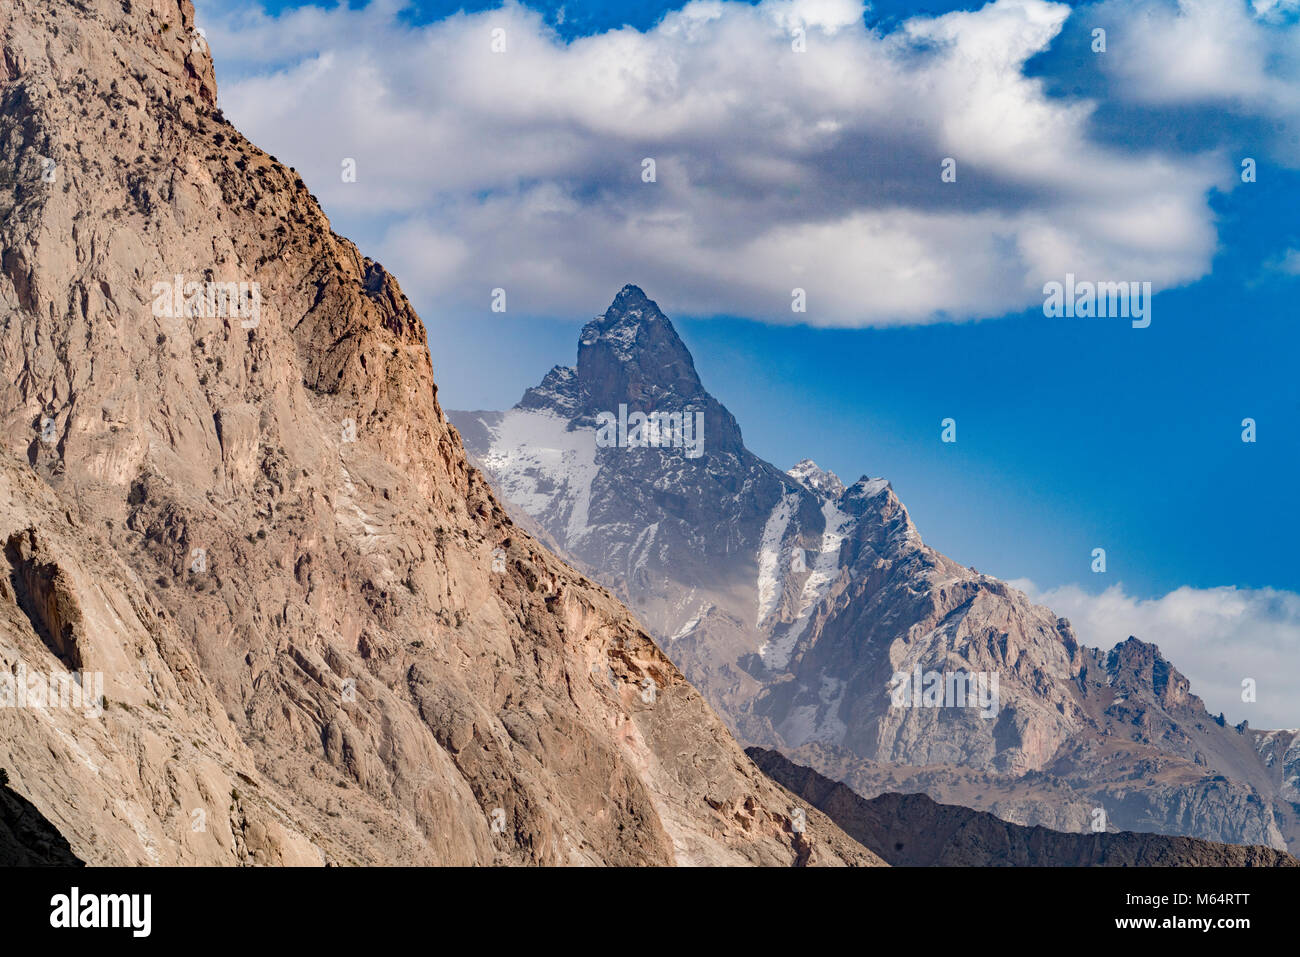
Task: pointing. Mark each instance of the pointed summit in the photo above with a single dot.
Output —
(635, 347)
(632, 356)
(812, 476)
(1137, 668)
(632, 294)
(558, 393)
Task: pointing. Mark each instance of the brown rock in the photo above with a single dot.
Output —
(282, 561)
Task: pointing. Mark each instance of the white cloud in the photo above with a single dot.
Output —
(1215, 636)
(1275, 10)
(775, 169)
(1288, 262)
(1241, 57)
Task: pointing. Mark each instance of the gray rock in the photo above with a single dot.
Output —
(796, 603)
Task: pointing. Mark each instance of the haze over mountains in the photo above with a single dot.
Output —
(795, 602)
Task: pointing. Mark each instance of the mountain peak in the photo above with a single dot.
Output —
(631, 293)
(822, 481)
(632, 322)
(1136, 667)
(557, 392)
(632, 356)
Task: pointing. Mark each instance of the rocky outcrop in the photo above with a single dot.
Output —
(816, 620)
(912, 830)
(228, 487)
(44, 593)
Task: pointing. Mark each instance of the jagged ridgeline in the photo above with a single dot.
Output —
(815, 620)
(228, 490)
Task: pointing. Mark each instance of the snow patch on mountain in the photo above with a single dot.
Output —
(817, 720)
(544, 467)
(771, 575)
(873, 487)
(640, 550)
(691, 625)
(825, 569)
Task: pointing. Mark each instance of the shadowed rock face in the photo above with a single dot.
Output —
(43, 592)
(911, 830)
(321, 638)
(27, 839)
(794, 602)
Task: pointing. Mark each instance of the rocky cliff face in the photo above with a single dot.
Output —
(228, 487)
(911, 830)
(816, 620)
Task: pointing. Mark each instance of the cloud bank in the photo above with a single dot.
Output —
(1241, 57)
(774, 169)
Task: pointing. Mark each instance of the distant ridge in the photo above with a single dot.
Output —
(911, 830)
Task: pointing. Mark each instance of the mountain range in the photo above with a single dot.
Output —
(817, 622)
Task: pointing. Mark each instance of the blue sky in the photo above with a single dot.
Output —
(585, 17)
(1072, 434)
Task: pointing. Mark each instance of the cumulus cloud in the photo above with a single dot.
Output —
(1244, 57)
(1217, 637)
(775, 169)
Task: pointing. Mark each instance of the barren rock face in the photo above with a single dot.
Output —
(229, 488)
(140, 765)
(27, 839)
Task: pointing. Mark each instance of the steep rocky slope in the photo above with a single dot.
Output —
(911, 830)
(320, 635)
(805, 608)
(119, 768)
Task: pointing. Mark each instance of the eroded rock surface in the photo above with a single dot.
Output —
(320, 634)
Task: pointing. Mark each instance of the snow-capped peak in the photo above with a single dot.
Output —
(621, 327)
(808, 474)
